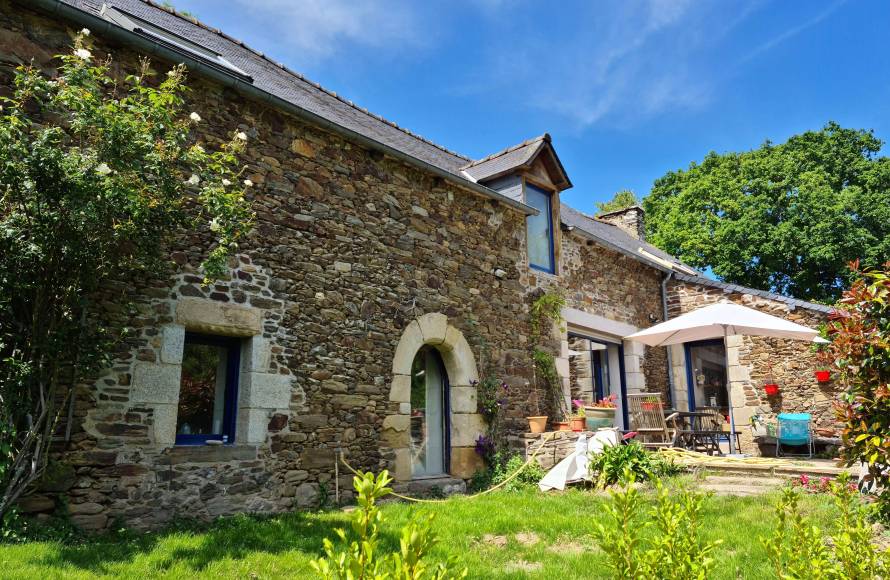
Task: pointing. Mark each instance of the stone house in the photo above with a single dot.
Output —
(384, 276)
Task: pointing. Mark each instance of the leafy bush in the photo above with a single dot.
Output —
(798, 549)
(609, 466)
(674, 550)
(860, 354)
(502, 466)
(360, 558)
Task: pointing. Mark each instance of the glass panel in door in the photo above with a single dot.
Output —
(428, 410)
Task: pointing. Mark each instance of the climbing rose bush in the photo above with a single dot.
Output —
(97, 174)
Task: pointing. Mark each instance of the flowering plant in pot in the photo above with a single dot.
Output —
(600, 414)
(578, 417)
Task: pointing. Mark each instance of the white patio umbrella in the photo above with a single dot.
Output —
(720, 321)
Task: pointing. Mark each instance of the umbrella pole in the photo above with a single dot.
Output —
(732, 445)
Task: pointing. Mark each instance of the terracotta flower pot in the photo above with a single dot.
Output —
(771, 389)
(537, 424)
(561, 426)
(577, 424)
(823, 376)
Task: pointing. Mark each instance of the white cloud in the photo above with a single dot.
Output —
(791, 32)
(320, 28)
(616, 63)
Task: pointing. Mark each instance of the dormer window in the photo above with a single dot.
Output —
(540, 229)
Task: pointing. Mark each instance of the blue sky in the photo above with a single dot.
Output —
(628, 89)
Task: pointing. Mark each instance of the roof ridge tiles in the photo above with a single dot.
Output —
(193, 20)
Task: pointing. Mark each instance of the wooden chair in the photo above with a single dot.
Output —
(646, 413)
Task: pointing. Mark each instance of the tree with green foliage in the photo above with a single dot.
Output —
(97, 175)
(621, 200)
(786, 218)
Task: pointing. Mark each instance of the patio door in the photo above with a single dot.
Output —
(706, 375)
(429, 414)
(597, 372)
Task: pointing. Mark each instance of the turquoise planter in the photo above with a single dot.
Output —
(598, 418)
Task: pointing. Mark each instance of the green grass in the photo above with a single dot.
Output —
(281, 547)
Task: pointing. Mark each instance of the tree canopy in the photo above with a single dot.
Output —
(786, 218)
(621, 200)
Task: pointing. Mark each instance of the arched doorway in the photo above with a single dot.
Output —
(430, 414)
(455, 424)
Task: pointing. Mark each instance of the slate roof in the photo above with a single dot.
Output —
(754, 292)
(502, 162)
(616, 238)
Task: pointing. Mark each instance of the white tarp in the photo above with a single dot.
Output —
(574, 467)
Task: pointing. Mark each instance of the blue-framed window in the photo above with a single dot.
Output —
(540, 229)
(208, 389)
(706, 375)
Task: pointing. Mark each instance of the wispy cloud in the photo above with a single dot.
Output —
(321, 28)
(617, 62)
(791, 32)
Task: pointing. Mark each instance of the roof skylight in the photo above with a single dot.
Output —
(172, 41)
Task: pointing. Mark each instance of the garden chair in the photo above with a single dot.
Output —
(794, 429)
(647, 419)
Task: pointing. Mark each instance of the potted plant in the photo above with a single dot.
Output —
(653, 405)
(578, 417)
(601, 414)
(823, 375)
(537, 423)
(563, 425)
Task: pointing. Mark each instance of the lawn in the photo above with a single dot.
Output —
(501, 535)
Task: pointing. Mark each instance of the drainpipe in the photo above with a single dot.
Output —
(664, 310)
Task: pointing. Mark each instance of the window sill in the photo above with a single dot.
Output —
(209, 454)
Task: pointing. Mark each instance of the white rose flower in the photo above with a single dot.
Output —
(103, 169)
(195, 117)
(194, 179)
(214, 225)
(241, 135)
(248, 183)
(226, 182)
(83, 53)
(85, 31)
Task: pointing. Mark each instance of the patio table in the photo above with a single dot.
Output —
(694, 437)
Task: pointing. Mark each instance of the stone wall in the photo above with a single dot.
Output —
(753, 360)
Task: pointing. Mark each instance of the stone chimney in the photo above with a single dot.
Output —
(630, 219)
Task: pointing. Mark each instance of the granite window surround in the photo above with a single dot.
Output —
(260, 393)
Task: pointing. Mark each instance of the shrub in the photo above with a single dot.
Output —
(860, 354)
(609, 466)
(798, 549)
(674, 550)
(502, 466)
(361, 558)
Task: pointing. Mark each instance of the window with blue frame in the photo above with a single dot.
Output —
(208, 390)
(540, 229)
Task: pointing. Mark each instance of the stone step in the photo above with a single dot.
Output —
(735, 489)
(745, 481)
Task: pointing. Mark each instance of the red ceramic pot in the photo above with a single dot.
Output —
(823, 376)
(771, 389)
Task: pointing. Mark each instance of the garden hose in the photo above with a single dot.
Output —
(687, 458)
(512, 476)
